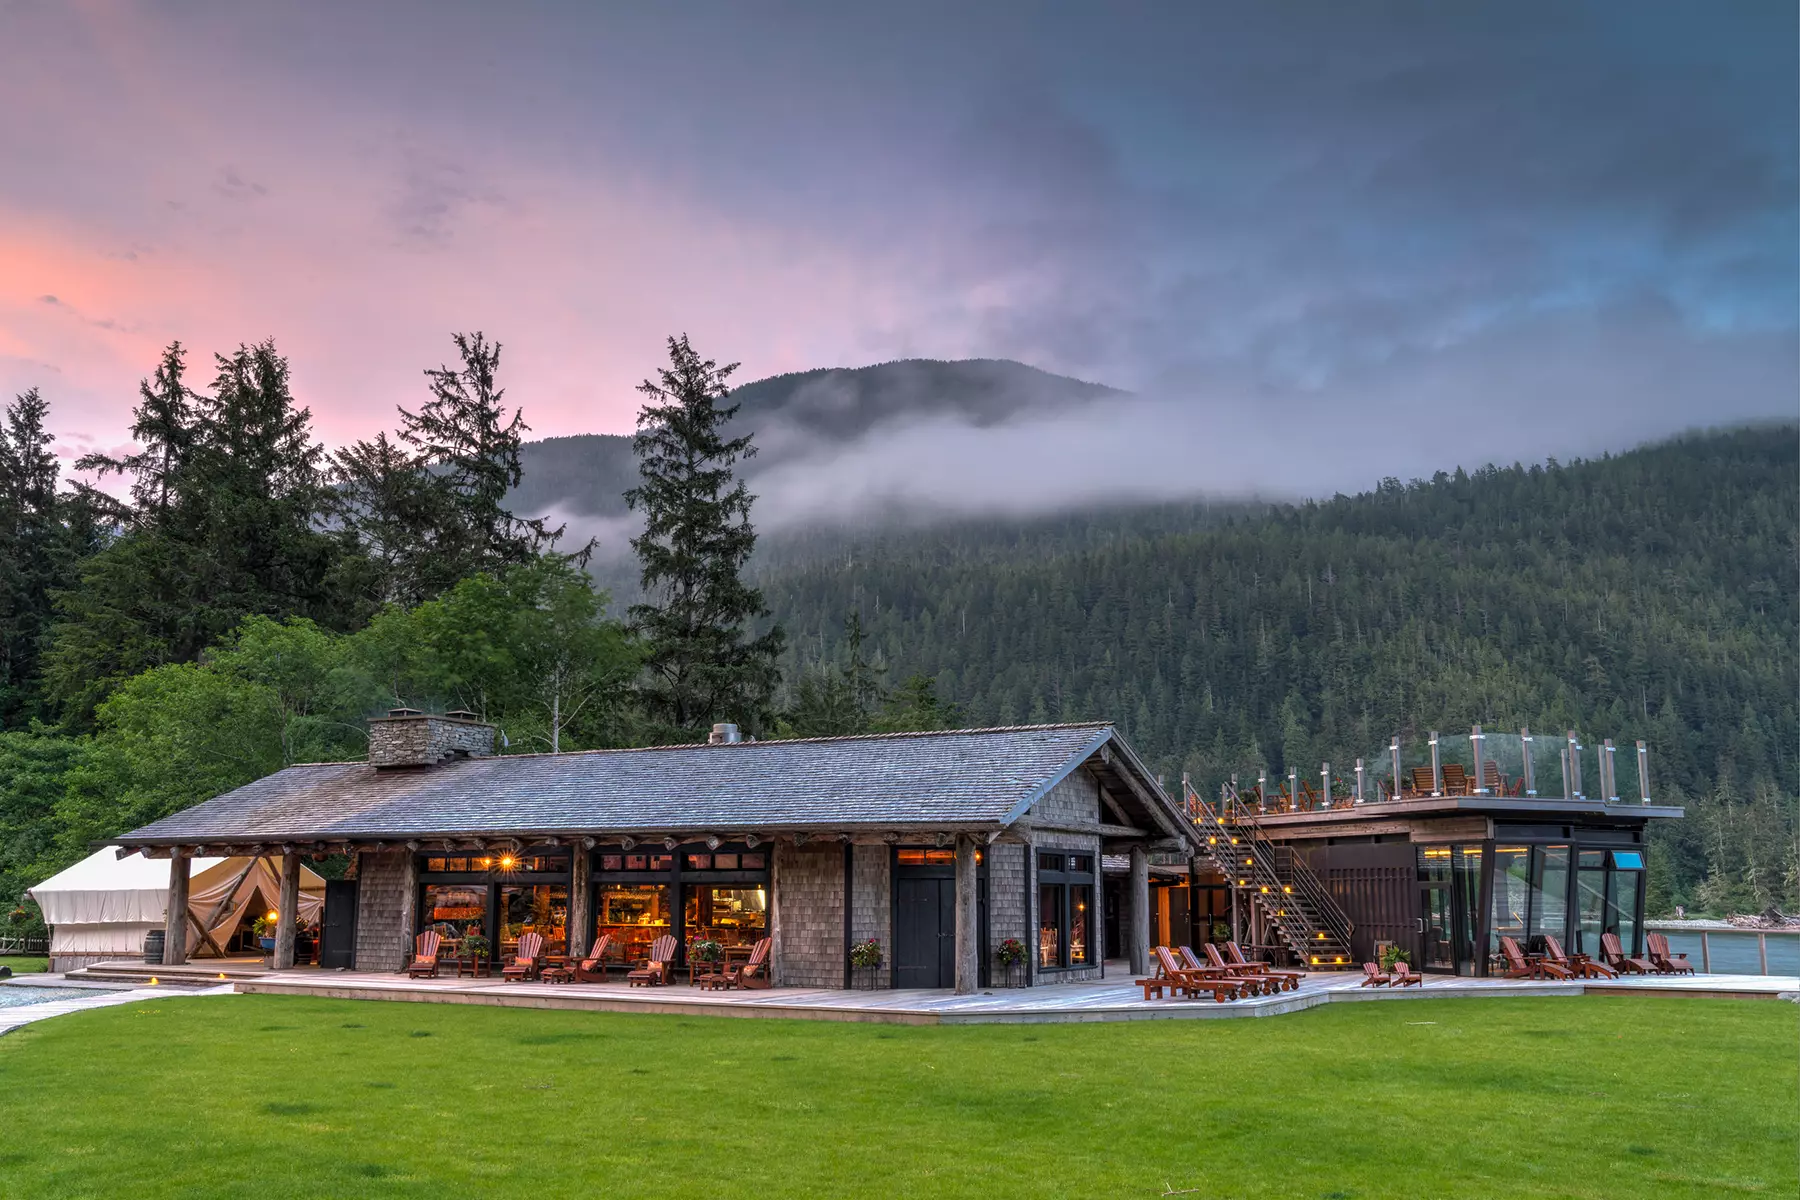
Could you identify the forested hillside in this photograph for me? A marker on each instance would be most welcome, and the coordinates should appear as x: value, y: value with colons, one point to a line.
x: 1651, y: 594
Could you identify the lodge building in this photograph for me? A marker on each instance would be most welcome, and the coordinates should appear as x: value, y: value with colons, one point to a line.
x: 939, y: 847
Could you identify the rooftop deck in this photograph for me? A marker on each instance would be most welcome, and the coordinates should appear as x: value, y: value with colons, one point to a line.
x: 1114, y: 999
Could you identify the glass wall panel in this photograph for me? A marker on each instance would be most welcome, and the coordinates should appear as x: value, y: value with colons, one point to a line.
x: 1512, y: 895
x: 1623, y: 904
x: 455, y: 909
x: 1590, y: 901
x: 636, y: 914
x: 1549, y: 895
x: 731, y: 916
x: 1467, y: 877
x: 1050, y: 907
x: 1081, y: 901
x: 540, y: 908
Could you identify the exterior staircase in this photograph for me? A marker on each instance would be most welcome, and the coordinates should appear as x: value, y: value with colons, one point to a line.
x: 1275, y: 880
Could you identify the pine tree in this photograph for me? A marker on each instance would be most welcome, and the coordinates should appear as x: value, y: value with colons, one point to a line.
x: 387, y: 505
x: 30, y: 540
x: 702, y: 664
x: 468, y: 449
x: 166, y: 427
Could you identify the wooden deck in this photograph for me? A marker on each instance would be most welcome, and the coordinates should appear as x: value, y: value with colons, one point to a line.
x: 1111, y: 1000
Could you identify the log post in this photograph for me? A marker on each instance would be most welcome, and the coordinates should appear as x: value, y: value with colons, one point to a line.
x: 581, y: 922
x: 409, y: 908
x: 968, y: 937
x: 1139, y: 942
x: 287, y: 910
x: 175, y: 917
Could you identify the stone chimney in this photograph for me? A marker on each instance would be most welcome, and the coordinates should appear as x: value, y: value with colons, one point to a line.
x: 407, y: 737
x: 724, y: 734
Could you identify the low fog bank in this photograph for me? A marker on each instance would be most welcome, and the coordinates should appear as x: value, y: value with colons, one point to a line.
x: 1555, y: 390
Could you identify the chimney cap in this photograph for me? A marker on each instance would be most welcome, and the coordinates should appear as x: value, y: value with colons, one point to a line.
x: 404, y: 712
x: 461, y: 714
x: 724, y: 734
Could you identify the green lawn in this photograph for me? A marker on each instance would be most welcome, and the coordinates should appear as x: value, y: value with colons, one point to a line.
x: 272, y: 1097
x: 25, y: 964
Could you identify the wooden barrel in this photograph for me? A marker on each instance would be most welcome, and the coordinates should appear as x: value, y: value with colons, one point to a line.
x: 153, y: 947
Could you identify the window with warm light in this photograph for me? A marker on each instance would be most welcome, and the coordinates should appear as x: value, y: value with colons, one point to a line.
x: 1066, y: 917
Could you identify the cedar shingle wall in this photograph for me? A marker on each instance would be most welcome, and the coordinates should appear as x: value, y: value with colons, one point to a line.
x: 1006, y: 900
x: 872, y: 899
x: 381, y: 944
x: 809, y: 915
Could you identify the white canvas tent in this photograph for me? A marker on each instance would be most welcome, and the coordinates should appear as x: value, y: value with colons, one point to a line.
x: 101, y: 908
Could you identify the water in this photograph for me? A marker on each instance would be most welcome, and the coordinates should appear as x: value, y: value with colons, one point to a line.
x: 18, y: 996
x: 1734, y: 952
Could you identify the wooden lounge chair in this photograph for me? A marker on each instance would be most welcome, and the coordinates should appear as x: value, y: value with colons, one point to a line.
x: 1669, y: 964
x: 1618, y: 960
x: 1216, y: 965
x: 1456, y: 779
x: 1404, y: 976
x: 425, y: 955
x: 1242, y: 965
x: 527, y: 960
x: 592, y: 969
x: 655, y: 973
x: 1374, y: 976
x: 1495, y: 782
x: 1421, y: 781
x: 1576, y: 964
x: 754, y: 973
x: 1518, y: 966
x: 1192, y: 983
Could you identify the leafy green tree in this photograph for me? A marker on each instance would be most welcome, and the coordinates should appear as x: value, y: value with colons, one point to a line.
x: 702, y: 662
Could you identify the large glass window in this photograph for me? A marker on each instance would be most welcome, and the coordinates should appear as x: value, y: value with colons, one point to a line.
x: 540, y: 908
x: 1590, y: 900
x: 636, y: 914
x: 731, y: 916
x: 1081, y: 902
x: 455, y: 909
x: 1050, y: 906
x: 1512, y: 895
x: 1549, y: 894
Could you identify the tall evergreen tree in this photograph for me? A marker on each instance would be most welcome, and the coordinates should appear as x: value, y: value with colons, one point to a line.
x: 468, y: 456
x: 166, y: 427
x: 703, y: 664
x: 30, y: 539
x: 386, y: 503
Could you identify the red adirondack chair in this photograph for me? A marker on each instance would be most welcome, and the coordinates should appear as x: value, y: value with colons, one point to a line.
x: 655, y: 973
x: 1215, y: 964
x: 1618, y: 960
x: 1520, y: 967
x: 1404, y: 976
x: 592, y: 969
x: 425, y: 956
x: 527, y: 960
x: 1374, y: 976
x: 755, y: 971
x: 1576, y: 964
x: 1670, y: 964
x: 1236, y: 960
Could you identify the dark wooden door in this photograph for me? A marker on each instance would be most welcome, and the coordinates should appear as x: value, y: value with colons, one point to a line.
x: 337, y: 927
x: 924, y: 932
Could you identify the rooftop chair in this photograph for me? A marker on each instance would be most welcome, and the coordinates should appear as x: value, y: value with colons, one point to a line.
x: 1670, y: 964
x: 1495, y: 782
x: 425, y: 956
x: 1215, y: 965
x: 1374, y: 976
x: 1193, y: 982
x: 1404, y: 976
x: 592, y: 969
x: 1518, y: 966
x: 754, y: 973
x: 655, y: 973
x: 1309, y: 799
x: 1618, y: 960
x: 1577, y: 964
x: 527, y: 960
x: 1456, y: 780
x: 1240, y: 964
x: 1421, y: 781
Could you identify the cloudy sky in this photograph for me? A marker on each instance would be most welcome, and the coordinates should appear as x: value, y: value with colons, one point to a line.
x: 1418, y: 223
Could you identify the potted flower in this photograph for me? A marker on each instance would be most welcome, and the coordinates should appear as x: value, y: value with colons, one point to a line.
x: 474, y: 950
x: 704, y: 957
x: 263, y: 930
x: 1010, y: 955
x: 865, y: 961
